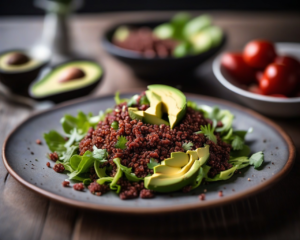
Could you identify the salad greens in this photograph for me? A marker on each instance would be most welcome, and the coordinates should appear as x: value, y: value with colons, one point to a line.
x: 76, y: 127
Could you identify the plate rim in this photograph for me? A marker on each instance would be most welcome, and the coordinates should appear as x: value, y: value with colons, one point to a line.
x: 158, y: 210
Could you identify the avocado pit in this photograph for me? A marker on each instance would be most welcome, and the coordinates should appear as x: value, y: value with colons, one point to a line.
x: 17, y: 58
x: 70, y: 74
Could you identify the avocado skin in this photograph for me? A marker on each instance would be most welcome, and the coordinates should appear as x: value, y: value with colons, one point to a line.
x: 71, y: 94
x: 18, y: 81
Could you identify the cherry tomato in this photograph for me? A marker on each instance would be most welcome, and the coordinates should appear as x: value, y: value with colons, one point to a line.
x: 258, y: 76
x: 278, y: 79
x: 259, y: 53
x: 255, y: 89
x: 235, y: 65
x: 290, y: 62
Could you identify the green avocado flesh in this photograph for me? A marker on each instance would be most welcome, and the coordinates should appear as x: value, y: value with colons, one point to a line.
x: 178, y: 171
x: 4, y: 66
x: 51, y: 84
x: 173, y: 102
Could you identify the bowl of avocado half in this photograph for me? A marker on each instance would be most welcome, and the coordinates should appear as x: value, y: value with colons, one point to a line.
x: 18, y: 69
x: 165, y: 48
x: 69, y: 80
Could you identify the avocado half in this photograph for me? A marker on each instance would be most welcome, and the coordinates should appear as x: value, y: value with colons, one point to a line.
x: 18, y: 69
x: 69, y: 80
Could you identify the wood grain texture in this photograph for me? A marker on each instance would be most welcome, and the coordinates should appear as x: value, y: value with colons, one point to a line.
x: 273, y: 214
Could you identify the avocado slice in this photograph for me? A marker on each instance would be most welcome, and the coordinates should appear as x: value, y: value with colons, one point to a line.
x: 170, y: 176
x: 173, y: 102
x: 68, y: 80
x: 195, y: 25
x: 134, y: 113
x: 177, y: 159
x: 154, y: 113
x: 160, y: 183
x: 18, y: 69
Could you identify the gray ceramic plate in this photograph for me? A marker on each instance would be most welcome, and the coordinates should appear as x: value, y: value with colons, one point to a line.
x: 26, y: 161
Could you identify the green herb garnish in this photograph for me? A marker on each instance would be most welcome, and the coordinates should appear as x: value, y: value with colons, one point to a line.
x: 119, y: 100
x: 187, y: 146
x: 121, y: 143
x: 144, y: 100
x: 208, y: 131
x: 152, y: 163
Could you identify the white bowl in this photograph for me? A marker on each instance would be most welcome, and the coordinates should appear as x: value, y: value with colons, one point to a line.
x: 272, y: 106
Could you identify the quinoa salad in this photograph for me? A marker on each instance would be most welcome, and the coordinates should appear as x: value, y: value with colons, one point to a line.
x: 154, y: 142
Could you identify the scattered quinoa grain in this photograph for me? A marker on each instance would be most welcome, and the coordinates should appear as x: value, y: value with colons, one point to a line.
x: 204, y: 190
x: 202, y: 197
x: 53, y: 156
x: 220, y: 193
x: 59, y: 168
x: 78, y: 186
x: 249, y: 179
x: 38, y: 141
x: 48, y: 164
x: 66, y: 184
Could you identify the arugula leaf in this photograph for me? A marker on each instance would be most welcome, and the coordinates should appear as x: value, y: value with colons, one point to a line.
x: 84, y: 164
x: 202, y: 173
x: 101, y: 172
x: 208, y: 131
x: 99, y: 154
x: 144, y: 100
x: 55, y: 142
x: 152, y: 163
x: 118, y: 100
x: 245, y: 151
x: 129, y: 175
x: 121, y: 143
x: 257, y: 159
x: 224, y: 175
x: 68, y: 167
x: 133, y: 100
x: 187, y: 146
x: 115, y: 125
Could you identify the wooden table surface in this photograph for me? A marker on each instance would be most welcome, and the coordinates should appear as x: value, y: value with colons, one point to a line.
x: 272, y: 214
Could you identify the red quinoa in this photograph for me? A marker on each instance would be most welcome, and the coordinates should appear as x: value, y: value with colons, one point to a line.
x: 145, y: 141
x: 53, y: 156
x: 48, y: 164
x: 202, y: 197
x: 78, y: 186
x: 38, y: 141
x: 146, y: 193
x: 66, y: 184
x: 98, y: 189
x: 59, y: 168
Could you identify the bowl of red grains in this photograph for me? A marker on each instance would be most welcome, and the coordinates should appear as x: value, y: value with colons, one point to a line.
x: 149, y: 56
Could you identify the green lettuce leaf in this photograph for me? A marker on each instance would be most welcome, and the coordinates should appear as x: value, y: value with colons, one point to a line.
x: 55, y: 142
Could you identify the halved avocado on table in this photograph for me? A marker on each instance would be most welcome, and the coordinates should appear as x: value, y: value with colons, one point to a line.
x: 67, y: 81
x: 18, y: 69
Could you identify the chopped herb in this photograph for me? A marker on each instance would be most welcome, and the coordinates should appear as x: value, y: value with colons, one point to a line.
x: 224, y: 175
x: 115, y: 125
x: 94, y: 120
x: 133, y: 100
x: 121, y: 143
x: 129, y: 175
x: 237, y: 143
x: 152, y: 163
x: 99, y: 154
x: 208, y: 131
x: 187, y: 146
x: 144, y: 100
x: 257, y: 159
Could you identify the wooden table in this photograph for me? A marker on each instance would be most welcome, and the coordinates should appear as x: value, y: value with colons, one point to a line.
x: 272, y: 214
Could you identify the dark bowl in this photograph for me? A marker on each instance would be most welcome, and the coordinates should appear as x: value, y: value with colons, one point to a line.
x: 67, y: 95
x: 20, y: 80
x: 154, y: 67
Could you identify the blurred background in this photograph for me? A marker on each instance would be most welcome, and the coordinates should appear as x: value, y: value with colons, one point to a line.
x: 25, y: 7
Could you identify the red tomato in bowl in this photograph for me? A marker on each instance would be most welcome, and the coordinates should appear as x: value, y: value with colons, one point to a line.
x: 254, y: 88
x: 259, y: 53
x: 278, y: 79
x: 235, y: 65
x: 290, y: 62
